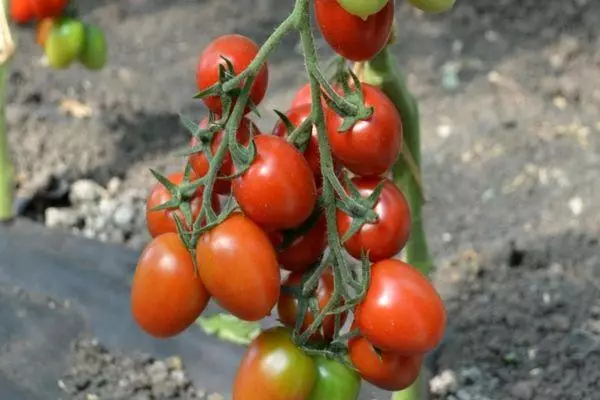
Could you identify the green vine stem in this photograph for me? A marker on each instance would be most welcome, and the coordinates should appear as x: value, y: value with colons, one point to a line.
x: 384, y: 71
x: 6, y: 167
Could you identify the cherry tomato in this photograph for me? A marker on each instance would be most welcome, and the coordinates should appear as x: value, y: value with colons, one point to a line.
x: 305, y: 250
x: 278, y: 191
x: 238, y: 265
x: 401, y: 312
x: 363, y: 8
x: 273, y: 368
x: 166, y: 295
x: 163, y: 221
x: 350, y: 36
x: 42, y: 30
x: 386, y: 237
x: 288, y: 305
x: 433, y: 6
x: 95, y: 50
x: 240, y: 51
x: 21, y: 11
x: 371, y: 146
x: 200, y: 163
x: 64, y: 43
x: 335, y: 381
x: 48, y: 8
x: 389, y: 371
x: 302, y: 96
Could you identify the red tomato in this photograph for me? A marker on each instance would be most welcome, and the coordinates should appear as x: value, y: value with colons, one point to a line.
x: 238, y: 265
x: 240, y: 51
x: 305, y: 250
x: 389, y: 371
x: 163, y: 221
x: 401, y: 312
x: 273, y: 368
x: 288, y: 305
x: 48, y: 8
x: 351, y: 36
x: 303, y: 96
x: 278, y: 191
x: 166, y: 295
x: 386, y: 237
x: 200, y: 163
x: 21, y: 11
x: 372, y: 146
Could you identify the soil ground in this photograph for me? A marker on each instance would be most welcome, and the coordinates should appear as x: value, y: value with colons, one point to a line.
x: 509, y: 92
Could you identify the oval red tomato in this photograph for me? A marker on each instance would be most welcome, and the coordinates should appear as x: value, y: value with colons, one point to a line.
x: 48, y: 8
x: 388, y: 371
x: 238, y: 266
x: 278, y: 191
x: 163, y: 221
x: 302, y: 96
x: 386, y: 237
x: 371, y: 146
x: 401, y: 312
x: 21, y: 11
x: 273, y: 368
x: 166, y: 295
x: 288, y: 305
x: 350, y: 36
x: 201, y: 165
x: 240, y: 51
x: 306, y: 250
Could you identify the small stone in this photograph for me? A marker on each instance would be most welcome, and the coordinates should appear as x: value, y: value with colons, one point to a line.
x: 174, y: 363
x: 462, y: 394
x: 560, y: 322
x: 471, y: 375
x: 179, y: 378
x: 165, y: 390
x: 158, y: 372
x: 523, y: 390
x: 124, y: 216
x: 85, y: 191
x: 444, y: 383
x: 60, y: 217
x: 113, y: 186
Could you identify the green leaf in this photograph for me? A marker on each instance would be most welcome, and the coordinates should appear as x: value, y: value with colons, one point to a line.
x: 229, y: 328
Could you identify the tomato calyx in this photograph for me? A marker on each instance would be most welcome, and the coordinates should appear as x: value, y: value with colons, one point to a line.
x: 298, y: 135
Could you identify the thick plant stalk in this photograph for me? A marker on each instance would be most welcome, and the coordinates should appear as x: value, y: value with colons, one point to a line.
x: 384, y: 72
x: 6, y: 167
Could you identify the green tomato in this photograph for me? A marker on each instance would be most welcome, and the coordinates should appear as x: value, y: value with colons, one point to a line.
x: 335, y: 381
x: 363, y: 8
x: 95, y: 51
x: 433, y: 6
x: 64, y: 43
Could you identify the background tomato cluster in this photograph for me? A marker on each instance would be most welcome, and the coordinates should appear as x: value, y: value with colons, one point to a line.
x: 238, y: 262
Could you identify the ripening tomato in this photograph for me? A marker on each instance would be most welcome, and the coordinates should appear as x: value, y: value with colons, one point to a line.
x: 371, y: 146
x: 305, y: 250
x: 288, y: 305
x: 240, y: 51
x: 201, y: 165
x: 401, y: 312
x: 433, y: 6
x: 64, y: 43
x: 21, y: 11
x: 278, y: 191
x: 388, y: 371
x: 386, y: 237
x: 351, y: 36
x: 48, y: 8
x: 42, y: 30
x: 166, y: 295
x: 363, y: 8
x: 335, y: 381
x: 238, y: 266
x: 163, y: 221
x: 95, y: 49
x: 273, y: 368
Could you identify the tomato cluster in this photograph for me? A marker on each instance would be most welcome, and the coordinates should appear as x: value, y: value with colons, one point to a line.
x: 271, y: 249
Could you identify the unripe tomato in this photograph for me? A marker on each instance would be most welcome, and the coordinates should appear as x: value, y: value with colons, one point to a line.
x: 351, y: 36
x: 163, y: 221
x: 273, y: 368
x: 42, y: 30
x: 201, y: 165
x: 388, y: 371
x: 401, y: 312
x: 166, y: 295
x: 240, y: 51
x: 238, y: 265
x: 21, y: 11
x: 95, y: 50
x: 65, y: 42
x: 433, y: 6
x: 335, y: 381
x: 363, y: 8
x: 48, y: 8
